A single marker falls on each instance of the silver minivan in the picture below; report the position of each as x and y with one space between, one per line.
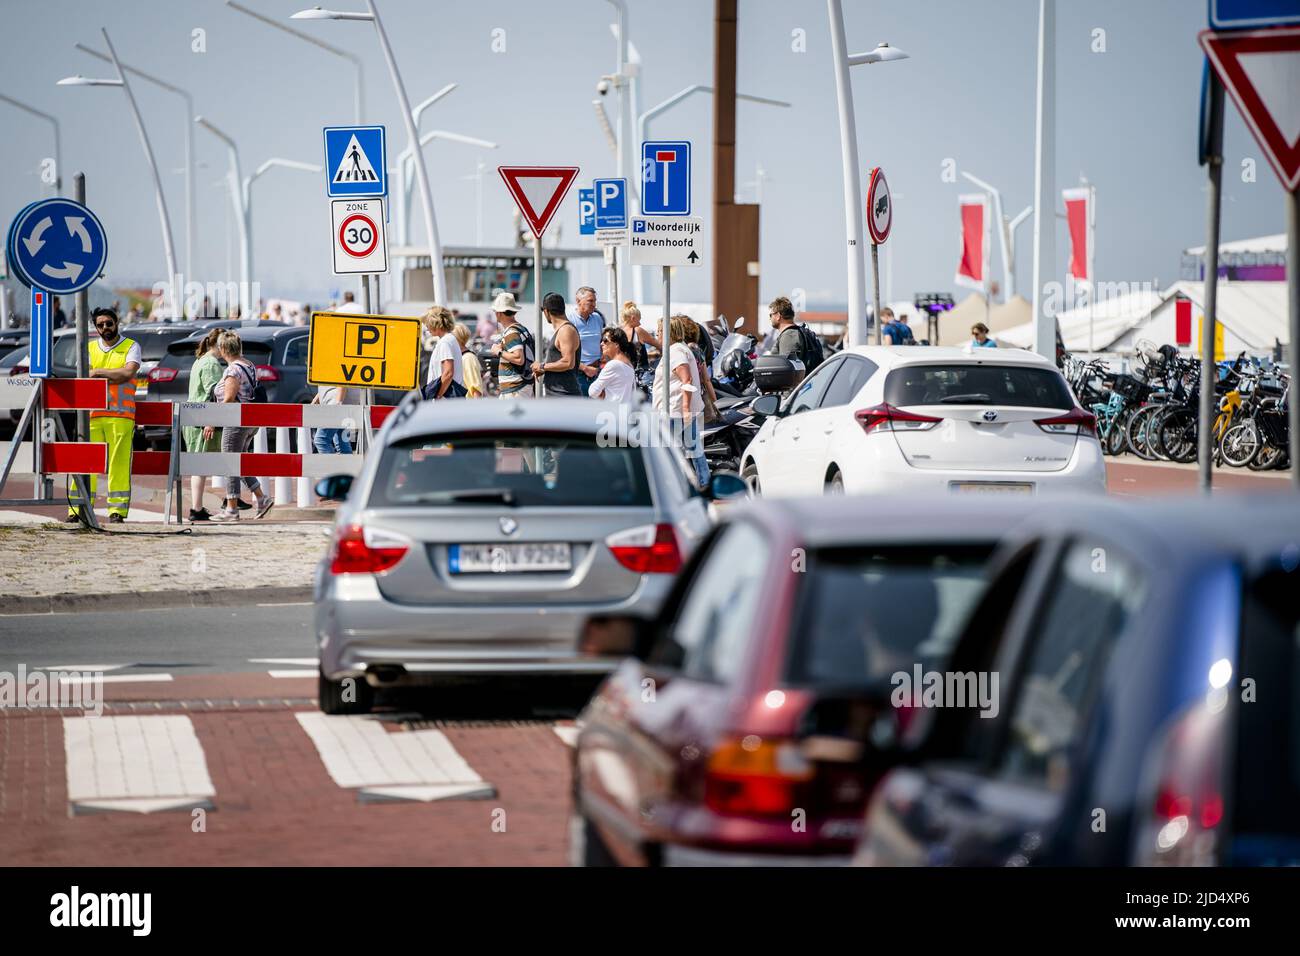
480 534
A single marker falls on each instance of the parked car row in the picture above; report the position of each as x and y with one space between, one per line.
956 681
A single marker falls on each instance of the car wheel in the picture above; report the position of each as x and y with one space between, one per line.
835 484
352 695
750 476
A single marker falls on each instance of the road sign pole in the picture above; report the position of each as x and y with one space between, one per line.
1293 310
81 315
613 277
875 282
1214 166
537 294
665 340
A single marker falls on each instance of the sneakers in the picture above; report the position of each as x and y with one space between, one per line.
244 505
116 518
226 514
267 504
202 514
71 519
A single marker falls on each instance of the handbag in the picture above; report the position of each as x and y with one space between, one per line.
430 390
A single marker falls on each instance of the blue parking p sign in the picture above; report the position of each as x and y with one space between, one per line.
611 203
586 212
666 178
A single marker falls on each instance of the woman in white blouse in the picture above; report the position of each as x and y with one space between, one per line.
617 379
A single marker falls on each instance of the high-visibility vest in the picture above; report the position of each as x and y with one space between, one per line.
121 398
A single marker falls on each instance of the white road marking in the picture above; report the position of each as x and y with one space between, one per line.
286 604
295 673
140 764
359 754
304 661
118 679
83 667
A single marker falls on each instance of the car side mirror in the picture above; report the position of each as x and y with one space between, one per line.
616 635
335 487
726 485
767 405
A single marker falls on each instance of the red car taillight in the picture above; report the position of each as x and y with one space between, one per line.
887 418
19 370
361 551
1180 828
753 777
159 374
1075 418
266 373
649 549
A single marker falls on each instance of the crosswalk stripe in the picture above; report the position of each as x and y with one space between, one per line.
135 763
359 754
293 673
304 661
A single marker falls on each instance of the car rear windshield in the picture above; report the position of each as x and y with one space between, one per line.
970 384
153 345
511 470
872 612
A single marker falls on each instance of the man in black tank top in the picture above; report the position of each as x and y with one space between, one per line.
558 368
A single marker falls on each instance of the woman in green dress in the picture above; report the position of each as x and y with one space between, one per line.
205 373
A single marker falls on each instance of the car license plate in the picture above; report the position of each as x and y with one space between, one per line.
994 487
509 558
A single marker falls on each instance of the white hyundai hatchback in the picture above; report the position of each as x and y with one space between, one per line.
884 419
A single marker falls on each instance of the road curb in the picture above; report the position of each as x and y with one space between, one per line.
150 600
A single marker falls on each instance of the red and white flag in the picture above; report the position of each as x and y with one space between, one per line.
976 221
1079 218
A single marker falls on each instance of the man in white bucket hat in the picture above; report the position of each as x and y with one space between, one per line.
514 348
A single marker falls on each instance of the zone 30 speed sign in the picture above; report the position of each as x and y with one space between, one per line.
359 236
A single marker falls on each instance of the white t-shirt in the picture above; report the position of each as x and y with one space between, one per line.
328 394
353 307
678 354
132 354
616 383
447 348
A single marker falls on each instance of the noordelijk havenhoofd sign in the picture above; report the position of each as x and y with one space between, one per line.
667 241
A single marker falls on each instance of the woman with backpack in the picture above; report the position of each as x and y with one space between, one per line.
205 373
237 385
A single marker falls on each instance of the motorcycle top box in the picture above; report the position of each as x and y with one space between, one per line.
777 373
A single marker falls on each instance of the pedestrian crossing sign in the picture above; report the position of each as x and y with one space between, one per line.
356 161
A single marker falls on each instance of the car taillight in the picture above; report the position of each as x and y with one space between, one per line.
1186 808
359 550
161 374
1075 421
889 418
648 549
750 776
19 370
266 373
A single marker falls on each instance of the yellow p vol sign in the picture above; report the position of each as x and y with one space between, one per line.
363 351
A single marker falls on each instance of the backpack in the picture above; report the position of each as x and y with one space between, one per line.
810 347
530 353
259 390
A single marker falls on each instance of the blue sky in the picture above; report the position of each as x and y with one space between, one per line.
1127 119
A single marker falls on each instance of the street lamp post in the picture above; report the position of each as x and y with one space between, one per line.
405 159
1044 180
58 148
856 330
241 193
238 196
358 89
189 149
403 174
412 135
169 247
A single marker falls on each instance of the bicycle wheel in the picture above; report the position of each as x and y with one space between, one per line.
1136 432
1240 444
1176 435
1116 442
1266 459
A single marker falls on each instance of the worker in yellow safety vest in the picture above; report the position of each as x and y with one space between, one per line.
117 359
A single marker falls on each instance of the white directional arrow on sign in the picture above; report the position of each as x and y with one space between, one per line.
70 270
34 241
77 227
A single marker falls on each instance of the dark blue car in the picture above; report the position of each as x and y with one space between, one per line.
1147 658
